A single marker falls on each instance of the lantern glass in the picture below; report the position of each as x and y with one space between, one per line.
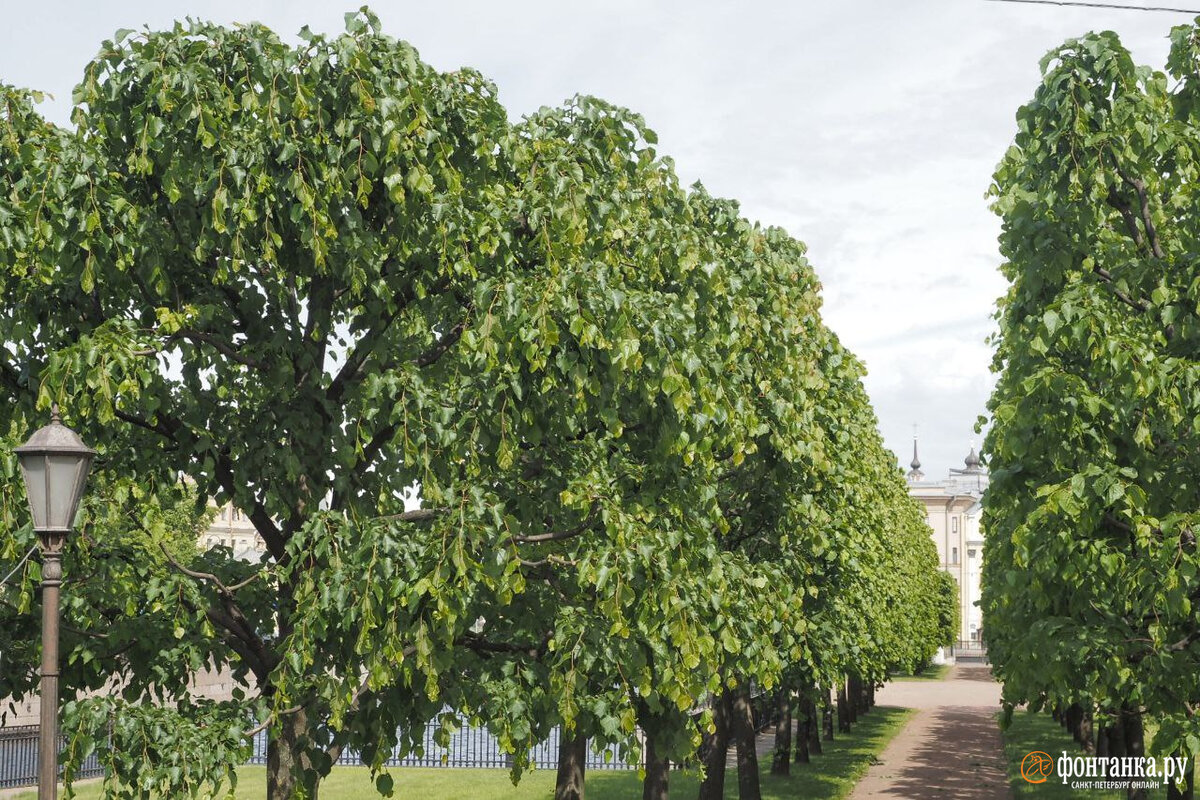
54 484
55 465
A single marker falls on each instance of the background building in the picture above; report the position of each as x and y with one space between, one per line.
952 510
232 528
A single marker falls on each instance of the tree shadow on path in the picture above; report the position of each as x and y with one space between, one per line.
959 755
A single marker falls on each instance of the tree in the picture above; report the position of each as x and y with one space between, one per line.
1088 586
308 277
311 277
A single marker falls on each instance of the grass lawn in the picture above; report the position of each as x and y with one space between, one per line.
932 672
1038 731
828 777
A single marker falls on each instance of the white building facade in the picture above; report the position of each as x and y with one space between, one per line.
952 511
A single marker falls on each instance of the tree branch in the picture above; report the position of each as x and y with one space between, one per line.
221 346
558 536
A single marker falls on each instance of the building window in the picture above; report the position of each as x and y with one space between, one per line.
971 553
953 555
954 524
224 513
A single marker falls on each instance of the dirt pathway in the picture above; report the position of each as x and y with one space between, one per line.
951 748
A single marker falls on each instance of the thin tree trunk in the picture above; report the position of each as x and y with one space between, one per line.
804 723
1101 735
1135 745
1086 733
1074 716
1188 790
572 758
843 710
658 769
853 697
747 756
827 714
1116 737
781 762
713 785
813 715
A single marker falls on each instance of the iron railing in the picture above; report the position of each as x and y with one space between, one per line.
19 758
469 747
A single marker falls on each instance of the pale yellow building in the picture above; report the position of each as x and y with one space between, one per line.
231 528
952 511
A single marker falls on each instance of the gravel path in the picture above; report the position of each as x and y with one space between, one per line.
951 748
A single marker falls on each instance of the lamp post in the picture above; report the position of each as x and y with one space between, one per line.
55 464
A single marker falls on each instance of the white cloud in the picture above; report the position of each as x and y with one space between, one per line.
867 129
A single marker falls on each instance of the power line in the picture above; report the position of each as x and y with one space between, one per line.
1114 6
18 566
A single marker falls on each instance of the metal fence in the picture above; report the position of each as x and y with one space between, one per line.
19 758
469 747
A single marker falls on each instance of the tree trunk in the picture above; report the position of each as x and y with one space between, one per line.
843 710
1086 733
781 763
572 757
1135 745
853 697
289 766
827 714
713 785
747 757
658 769
1116 737
1074 716
804 723
1101 734
1188 790
813 715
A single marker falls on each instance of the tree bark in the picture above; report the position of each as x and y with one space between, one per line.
1116 737
804 723
781 762
747 757
1087 736
1135 745
713 785
1188 791
572 757
658 769
289 766
843 710
813 714
827 714
1074 716
853 697
1101 735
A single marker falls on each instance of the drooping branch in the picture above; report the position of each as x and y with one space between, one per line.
558 536
443 344
218 344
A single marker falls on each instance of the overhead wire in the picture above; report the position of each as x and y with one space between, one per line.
20 564
1114 6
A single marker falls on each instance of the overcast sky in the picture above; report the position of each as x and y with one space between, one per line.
867 129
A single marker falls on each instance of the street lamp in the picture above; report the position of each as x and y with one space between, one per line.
55 464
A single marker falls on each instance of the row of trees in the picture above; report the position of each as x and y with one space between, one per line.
309 277
1090 586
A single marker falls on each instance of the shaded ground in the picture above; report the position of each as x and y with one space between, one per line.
952 748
